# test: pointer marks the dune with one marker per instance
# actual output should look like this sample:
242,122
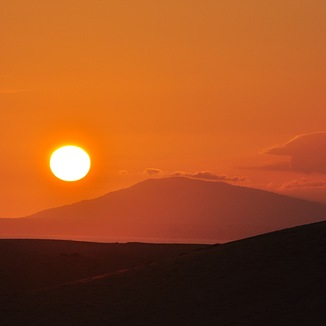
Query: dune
271,279
169,210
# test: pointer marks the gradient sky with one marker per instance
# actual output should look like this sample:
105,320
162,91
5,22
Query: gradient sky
151,88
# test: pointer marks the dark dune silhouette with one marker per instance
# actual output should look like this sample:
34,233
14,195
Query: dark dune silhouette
272,279
170,208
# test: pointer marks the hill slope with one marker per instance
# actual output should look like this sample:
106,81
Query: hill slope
28,265
168,209
273,279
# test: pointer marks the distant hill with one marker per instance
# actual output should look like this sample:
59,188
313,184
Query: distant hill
167,209
273,279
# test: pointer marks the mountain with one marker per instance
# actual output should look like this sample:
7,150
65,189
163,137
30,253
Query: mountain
272,279
163,210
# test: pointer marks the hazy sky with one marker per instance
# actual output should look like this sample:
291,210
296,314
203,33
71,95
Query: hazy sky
161,87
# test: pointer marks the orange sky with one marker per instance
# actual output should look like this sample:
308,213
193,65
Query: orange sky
172,85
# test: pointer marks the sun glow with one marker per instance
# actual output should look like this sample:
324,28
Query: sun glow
70,163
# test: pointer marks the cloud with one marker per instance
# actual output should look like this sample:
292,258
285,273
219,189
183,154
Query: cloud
314,190
152,171
303,183
307,152
203,175
208,175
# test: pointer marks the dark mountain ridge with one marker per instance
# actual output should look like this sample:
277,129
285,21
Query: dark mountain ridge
170,208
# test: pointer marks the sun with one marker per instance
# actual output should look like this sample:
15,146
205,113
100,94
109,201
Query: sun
70,163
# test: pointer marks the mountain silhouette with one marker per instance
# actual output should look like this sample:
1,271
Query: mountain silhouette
167,209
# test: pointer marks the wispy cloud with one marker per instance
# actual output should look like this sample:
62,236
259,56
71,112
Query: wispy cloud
303,183
311,189
208,175
203,175
152,171
307,152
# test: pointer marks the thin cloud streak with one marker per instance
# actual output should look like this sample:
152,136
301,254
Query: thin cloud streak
314,190
208,175
203,175
303,183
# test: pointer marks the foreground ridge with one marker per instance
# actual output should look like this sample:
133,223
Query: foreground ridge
272,279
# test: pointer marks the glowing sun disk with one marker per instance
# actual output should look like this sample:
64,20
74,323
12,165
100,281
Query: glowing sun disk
70,163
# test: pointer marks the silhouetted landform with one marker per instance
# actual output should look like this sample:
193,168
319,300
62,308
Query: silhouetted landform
27,265
166,209
272,279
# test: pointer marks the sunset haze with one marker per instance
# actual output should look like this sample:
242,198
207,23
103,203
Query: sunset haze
165,86
162,162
